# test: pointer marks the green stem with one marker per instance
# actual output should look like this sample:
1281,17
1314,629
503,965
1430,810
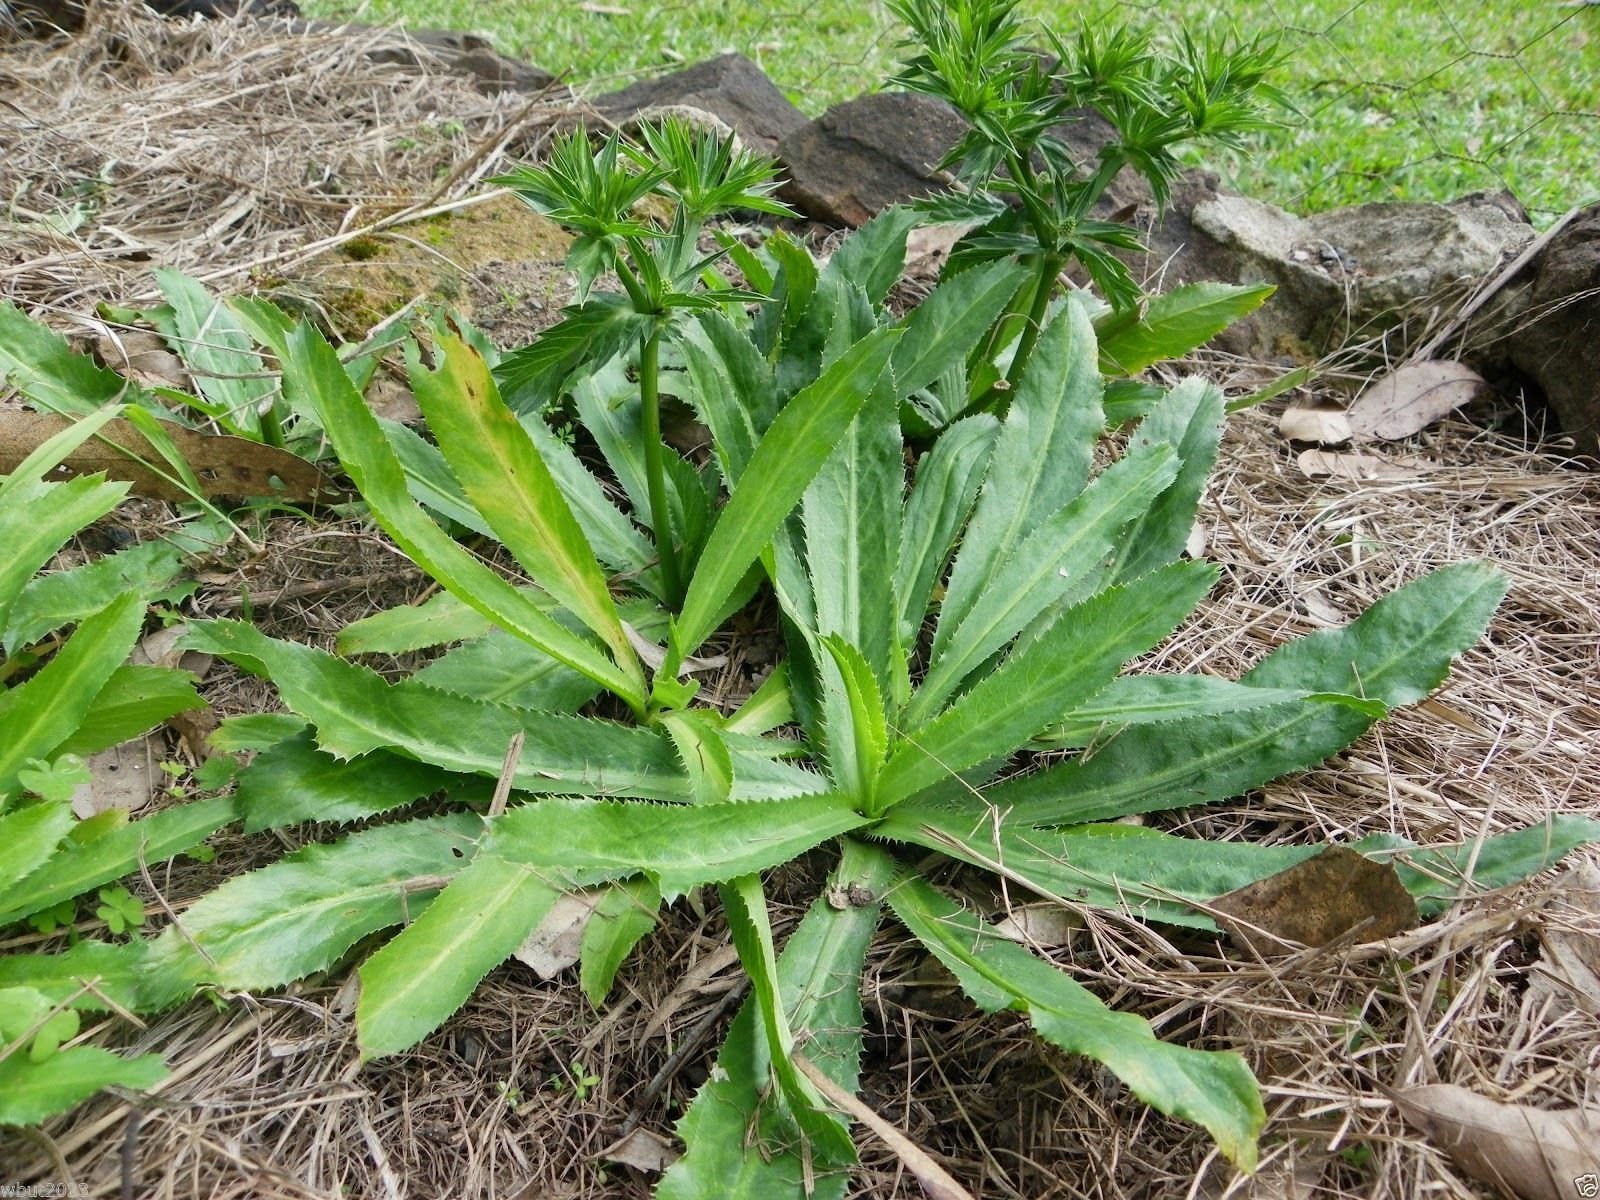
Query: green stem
640,299
1049,268
272,427
655,467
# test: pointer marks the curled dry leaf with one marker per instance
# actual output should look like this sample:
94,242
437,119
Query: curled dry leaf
160,649
642,1150
224,466
555,943
1046,926
1412,398
1368,468
1567,976
1325,424
393,401
1532,1153
653,655
1335,893
929,246
143,356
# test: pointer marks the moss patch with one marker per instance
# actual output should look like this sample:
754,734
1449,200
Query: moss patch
458,258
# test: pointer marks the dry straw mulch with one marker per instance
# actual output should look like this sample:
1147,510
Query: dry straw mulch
225,147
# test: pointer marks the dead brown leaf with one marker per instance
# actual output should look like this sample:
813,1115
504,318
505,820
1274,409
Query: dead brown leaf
1320,464
393,401
143,356
1317,901
224,466
1044,925
1567,975
1534,1153
122,777
555,943
1325,424
929,246
1410,399
642,1150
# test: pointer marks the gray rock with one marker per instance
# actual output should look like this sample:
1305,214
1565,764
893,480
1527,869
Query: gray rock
1346,274
1557,341
729,87
884,148
866,154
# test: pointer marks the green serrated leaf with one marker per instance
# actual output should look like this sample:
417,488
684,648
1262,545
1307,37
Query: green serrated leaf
93,976
28,837
40,364
508,482
703,752
874,256
218,351
1189,420
367,456
439,620
1395,653
133,701
430,969
1041,457
1060,559
1215,1089
784,464
1122,868
942,330
947,483
1440,875
502,669
35,524
624,915
1175,323
851,516
356,710
50,601
681,847
819,975
1074,658
293,781
1153,699
79,866
745,907
44,712
30,1092
302,913
858,733
588,335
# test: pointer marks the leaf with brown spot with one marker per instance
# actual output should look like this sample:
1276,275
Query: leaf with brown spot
1412,398
1335,893
224,466
1532,1153
122,777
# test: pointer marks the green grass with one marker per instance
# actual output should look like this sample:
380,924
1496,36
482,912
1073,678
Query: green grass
1402,99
